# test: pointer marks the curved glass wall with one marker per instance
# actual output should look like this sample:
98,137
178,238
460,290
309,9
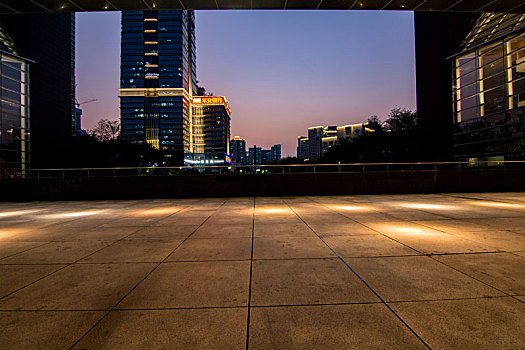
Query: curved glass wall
489,89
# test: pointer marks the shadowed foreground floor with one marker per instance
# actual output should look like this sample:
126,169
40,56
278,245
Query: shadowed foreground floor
396,271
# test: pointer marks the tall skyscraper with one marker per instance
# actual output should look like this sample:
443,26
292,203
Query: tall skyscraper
158,75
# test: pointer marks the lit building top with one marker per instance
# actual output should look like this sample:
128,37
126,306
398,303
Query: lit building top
212,100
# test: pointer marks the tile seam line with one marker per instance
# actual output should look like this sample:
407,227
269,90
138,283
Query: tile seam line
66,265
23,251
260,306
133,288
362,280
247,345
74,262
431,256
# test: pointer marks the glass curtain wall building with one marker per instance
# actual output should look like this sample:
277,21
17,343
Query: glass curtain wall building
210,131
158,74
14,109
489,90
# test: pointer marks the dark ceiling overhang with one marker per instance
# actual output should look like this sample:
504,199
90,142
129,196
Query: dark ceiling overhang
57,6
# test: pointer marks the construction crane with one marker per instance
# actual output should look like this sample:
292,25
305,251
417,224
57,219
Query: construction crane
83,103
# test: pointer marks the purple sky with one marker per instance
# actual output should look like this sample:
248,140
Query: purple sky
281,71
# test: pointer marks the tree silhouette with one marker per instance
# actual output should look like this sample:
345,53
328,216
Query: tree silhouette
106,130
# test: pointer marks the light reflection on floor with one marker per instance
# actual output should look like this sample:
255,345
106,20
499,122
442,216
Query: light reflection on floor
188,272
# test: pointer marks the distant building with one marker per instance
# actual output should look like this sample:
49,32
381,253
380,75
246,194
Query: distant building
210,131
321,138
258,156
238,151
315,142
255,156
302,147
276,152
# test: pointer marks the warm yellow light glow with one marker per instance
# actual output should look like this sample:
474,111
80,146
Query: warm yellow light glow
7,233
497,205
390,227
73,214
426,206
157,211
17,212
275,210
350,207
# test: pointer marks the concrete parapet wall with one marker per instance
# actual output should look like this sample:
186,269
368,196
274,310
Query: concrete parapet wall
83,188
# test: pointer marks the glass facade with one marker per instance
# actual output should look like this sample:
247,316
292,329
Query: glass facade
210,131
158,68
489,90
14,109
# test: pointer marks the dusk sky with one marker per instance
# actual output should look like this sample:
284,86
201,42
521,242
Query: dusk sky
281,71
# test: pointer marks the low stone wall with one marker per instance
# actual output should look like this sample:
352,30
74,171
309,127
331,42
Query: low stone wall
82,188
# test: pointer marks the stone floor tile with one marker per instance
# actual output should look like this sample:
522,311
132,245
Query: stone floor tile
366,245
308,281
44,329
107,234
521,253
56,253
290,248
223,231
79,287
213,249
453,226
163,233
399,227
487,323
341,229
283,229
14,277
370,326
133,251
440,243
230,220
193,284
416,278
501,270
277,219
11,248
170,329
499,240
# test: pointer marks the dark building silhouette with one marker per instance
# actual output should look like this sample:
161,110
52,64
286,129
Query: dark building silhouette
437,37
49,41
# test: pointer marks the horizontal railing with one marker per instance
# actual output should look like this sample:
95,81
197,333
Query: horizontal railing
267,169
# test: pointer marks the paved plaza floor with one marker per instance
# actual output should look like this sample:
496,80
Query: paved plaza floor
438,271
